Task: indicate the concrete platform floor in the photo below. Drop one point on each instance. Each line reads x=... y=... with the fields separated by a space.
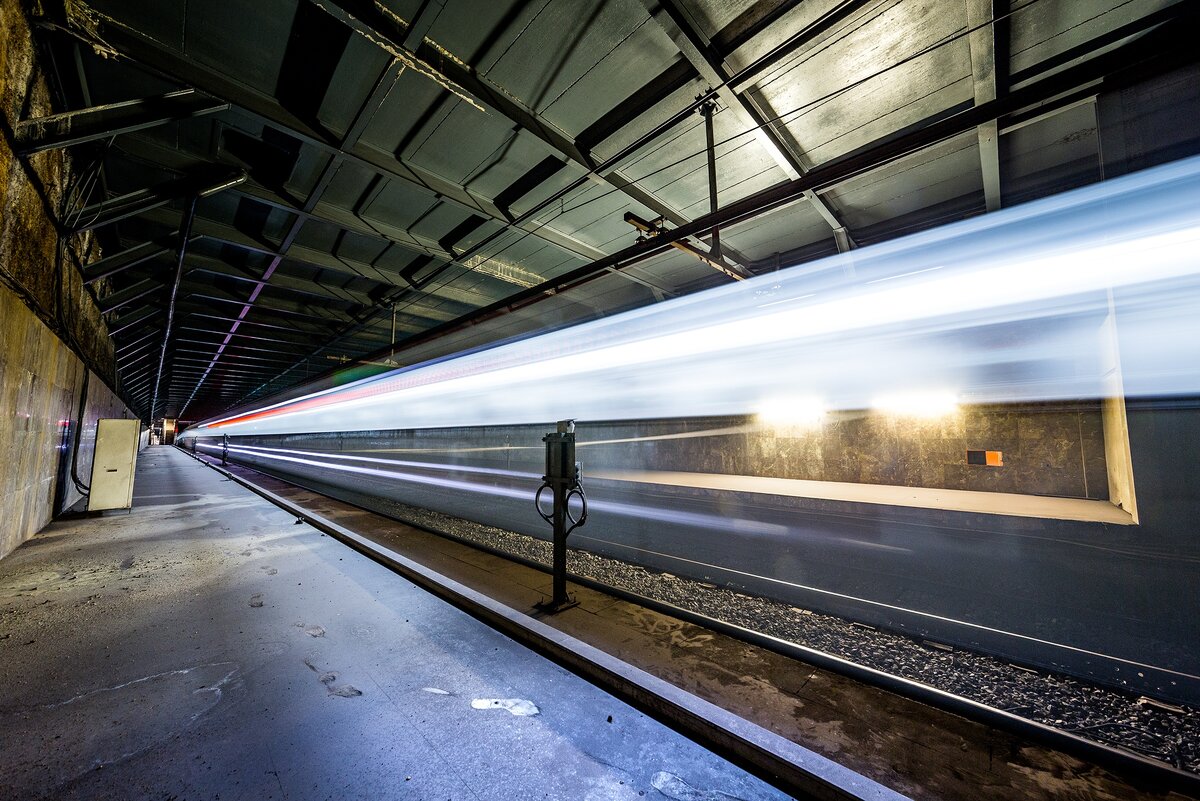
x=206 y=647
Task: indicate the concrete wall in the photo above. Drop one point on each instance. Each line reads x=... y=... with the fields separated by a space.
x=51 y=331
x=40 y=383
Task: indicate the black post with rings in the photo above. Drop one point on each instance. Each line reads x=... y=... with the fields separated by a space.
x=564 y=478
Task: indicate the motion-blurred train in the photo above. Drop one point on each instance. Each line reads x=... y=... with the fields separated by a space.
x=984 y=434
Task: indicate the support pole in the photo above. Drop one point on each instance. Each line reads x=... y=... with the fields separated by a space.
x=563 y=478
x=185 y=233
x=559 y=590
x=707 y=109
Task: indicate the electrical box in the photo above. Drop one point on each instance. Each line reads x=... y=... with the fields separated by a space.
x=986 y=458
x=112 y=464
x=560 y=454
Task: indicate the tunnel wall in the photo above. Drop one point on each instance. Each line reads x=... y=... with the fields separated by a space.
x=51 y=331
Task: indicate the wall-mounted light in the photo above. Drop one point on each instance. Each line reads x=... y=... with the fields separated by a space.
x=792 y=412
x=918 y=403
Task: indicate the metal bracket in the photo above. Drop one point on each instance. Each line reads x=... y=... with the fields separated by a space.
x=653 y=228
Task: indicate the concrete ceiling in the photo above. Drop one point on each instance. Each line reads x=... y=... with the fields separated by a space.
x=394 y=181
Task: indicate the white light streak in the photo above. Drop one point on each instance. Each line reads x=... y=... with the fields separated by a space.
x=1006 y=307
x=905 y=275
x=792 y=412
x=921 y=403
x=788 y=300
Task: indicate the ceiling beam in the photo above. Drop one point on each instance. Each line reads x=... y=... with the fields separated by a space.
x=982 y=41
x=646 y=100
x=130 y=257
x=276 y=351
x=109 y=35
x=182 y=352
x=157 y=154
x=223 y=233
x=124 y=297
x=103 y=122
x=752 y=114
x=245 y=371
x=204 y=312
x=388 y=32
x=290 y=285
x=188 y=374
x=133 y=344
x=201 y=182
x=305 y=312
x=133 y=357
x=131 y=320
x=185 y=358
x=302 y=341
x=1138 y=54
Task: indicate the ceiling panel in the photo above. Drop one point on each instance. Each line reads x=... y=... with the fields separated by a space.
x=503 y=147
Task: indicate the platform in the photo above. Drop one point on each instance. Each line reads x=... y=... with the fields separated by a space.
x=206 y=646
x=901 y=743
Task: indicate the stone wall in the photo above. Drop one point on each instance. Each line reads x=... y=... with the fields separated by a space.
x=1048 y=449
x=51 y=332
x=31 y=197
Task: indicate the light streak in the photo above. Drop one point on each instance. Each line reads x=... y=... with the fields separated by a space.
x=521 y=493
x=904 y=275
x=374 y=472
x=788 y=300
x=1007 y=307
x=493 y=471
x=920 y=403
x=707 y=566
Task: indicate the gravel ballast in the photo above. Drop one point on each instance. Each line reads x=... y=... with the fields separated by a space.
x=1140 y=725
